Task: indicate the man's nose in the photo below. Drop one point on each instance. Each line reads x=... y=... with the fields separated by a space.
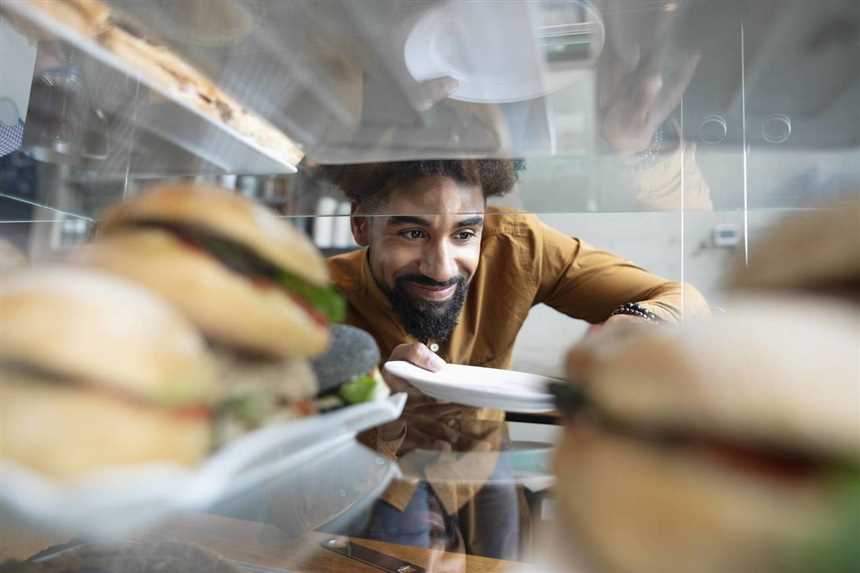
x=438 y=262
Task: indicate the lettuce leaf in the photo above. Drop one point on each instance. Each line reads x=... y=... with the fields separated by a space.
x=243 y=260
x=837 y=549
x=325 y=300
x=358 y=390
x=249 y=409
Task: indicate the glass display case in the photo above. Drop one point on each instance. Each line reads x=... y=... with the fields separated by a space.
x=669 y=132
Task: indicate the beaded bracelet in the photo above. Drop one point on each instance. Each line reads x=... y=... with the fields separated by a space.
x=649 y=157
x=637 y=310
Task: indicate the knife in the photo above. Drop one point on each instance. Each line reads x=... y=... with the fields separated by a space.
x=368 y=556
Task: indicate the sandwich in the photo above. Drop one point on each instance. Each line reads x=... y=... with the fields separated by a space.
x=96 y=372
x=140 y=55
x=255 y=286
x=815 y=251
x=348 y=373
x=86 y=17
x=732 y=445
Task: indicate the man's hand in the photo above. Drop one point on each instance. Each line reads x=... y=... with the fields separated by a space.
x=436 y=90
x=439 y=427
x=636 y=93
x=640 y=101
x=442 y=433
x=419 y=355
x=428 y=424
x=394 y=432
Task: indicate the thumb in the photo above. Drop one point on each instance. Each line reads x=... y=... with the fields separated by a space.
x=649 y=89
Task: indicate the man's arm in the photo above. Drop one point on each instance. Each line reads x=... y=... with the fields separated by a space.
x=589 y=284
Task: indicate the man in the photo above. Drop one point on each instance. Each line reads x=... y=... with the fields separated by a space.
x=443 y=278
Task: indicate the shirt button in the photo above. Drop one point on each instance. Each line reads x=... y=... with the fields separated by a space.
x=434 y=347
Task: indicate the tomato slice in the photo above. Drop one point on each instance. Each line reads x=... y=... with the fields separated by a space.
x=767 y=463
x=261 y=282
x=316 y=315
x=304 y=407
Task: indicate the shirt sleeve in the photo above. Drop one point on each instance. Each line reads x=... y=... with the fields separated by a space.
x=587 y=283
x=675 y=182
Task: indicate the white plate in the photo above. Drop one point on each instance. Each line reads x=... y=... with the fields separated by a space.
x=117 y=502
x=494 y=49
x=480 y=387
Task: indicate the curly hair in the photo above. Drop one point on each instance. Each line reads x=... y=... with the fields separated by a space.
x=368 y=184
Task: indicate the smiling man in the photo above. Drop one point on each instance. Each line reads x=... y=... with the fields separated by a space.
x=423 y=256
x=442 y=275
x=441 y=278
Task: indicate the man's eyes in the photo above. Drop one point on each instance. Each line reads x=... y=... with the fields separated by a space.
x=464 y=235
x=417 y=234
x=413 y=234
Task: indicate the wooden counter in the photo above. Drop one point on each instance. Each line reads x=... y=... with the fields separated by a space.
x=265 y=545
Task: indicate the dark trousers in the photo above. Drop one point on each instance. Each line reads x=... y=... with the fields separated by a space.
x=488 y=525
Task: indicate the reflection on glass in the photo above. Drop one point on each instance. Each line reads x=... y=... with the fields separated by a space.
x=658 y=135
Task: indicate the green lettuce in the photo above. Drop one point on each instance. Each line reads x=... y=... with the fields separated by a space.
x=359 y=389
x=249 y=409
x=837 y=549
x=243 y=260
x=324 y=300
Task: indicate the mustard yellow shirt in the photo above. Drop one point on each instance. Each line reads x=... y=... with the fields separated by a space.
x=523 y=263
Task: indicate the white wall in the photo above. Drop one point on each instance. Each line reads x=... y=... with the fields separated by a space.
x=667 y=244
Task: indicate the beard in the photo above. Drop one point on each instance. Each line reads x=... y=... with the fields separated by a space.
x=424 y=319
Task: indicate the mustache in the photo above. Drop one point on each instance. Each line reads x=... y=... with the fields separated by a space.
x=427 y=281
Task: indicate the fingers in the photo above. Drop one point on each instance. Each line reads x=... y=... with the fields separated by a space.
x=644 y=100
x=432 y=427
x=646 y=93
x=397 y=384
x=428 y=433
x=414 y=396
x=474 y=445
x=610 y=79
x=392 y=431
x=448 y=411
x=676 y=86
x=419 y=355
x=436 y=90
x=660 y=94
x=416 y=439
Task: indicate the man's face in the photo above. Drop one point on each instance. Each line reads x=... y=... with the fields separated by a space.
x=425 y=251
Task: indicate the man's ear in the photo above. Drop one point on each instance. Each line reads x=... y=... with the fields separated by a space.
x=360 y=227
